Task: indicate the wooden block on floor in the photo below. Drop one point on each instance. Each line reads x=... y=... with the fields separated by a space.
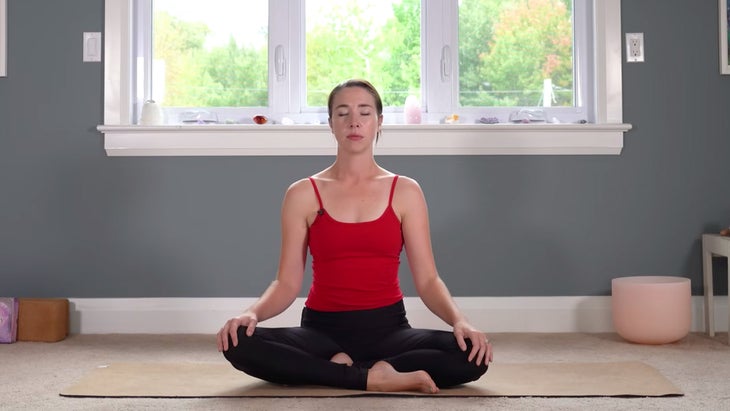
x=42 y=319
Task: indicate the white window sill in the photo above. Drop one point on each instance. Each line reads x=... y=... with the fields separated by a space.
x=305 y=140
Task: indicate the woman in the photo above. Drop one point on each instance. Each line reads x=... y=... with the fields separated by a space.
x=355 y=217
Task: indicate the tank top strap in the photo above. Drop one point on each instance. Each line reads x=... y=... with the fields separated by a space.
x=316 y=192
x=392 y=190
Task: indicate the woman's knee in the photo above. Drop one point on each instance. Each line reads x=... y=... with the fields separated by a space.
x=237 y=353
x=479 y=370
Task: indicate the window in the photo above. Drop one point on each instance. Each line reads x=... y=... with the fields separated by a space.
x=510 y=54
x=480 y=59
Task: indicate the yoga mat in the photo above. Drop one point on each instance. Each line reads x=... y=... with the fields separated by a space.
x=199 y=380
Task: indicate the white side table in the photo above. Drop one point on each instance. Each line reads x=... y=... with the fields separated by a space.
x=712 y=245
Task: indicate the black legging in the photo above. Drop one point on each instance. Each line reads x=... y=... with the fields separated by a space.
x=301 y=355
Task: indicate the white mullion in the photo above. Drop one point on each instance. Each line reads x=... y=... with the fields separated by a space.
x=609 y=94
x=439 y=34
x=285 y=34
x=278 y=37
x=117 y=61
x=142 y=54
x=297 y=35
x=583 y=63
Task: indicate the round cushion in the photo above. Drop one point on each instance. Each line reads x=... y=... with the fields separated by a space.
x=651 y=309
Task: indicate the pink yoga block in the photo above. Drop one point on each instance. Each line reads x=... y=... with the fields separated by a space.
x=651 y=309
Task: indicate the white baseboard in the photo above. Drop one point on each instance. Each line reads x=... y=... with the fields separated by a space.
x=491 y=314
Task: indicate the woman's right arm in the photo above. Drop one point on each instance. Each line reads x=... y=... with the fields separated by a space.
x=285 y=288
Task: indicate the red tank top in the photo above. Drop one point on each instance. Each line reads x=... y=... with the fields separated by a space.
x=354 y=265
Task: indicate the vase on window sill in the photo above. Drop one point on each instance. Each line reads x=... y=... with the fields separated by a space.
x=151 y=114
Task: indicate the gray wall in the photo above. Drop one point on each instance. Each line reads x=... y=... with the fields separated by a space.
x=76 y=223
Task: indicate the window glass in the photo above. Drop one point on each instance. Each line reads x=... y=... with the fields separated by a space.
x=515 y=53
x=379 y=40
x=210 y=54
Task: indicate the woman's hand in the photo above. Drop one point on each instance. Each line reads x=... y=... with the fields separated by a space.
x=230 y=328
x=481 y=348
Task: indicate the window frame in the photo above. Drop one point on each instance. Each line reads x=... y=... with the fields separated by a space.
x=122 y=138
x=3 y=38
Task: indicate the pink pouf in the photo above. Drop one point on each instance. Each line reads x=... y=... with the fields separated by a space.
x=651 y=309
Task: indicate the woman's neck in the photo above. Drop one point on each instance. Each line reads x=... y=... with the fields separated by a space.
x=355 y=169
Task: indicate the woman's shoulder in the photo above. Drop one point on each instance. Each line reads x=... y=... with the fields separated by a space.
x=299 y=183
x=407 y=184
x=408 y=195
x=299 y=199
x=299 y=188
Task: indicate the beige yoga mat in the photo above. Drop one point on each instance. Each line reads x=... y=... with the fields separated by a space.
x=196 y=380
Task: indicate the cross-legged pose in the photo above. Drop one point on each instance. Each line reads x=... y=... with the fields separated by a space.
x=355 y=217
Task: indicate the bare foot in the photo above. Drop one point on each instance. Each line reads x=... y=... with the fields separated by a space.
x=342 y=358
x=383 y=377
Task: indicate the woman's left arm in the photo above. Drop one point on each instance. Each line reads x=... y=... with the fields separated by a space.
x=410 y=203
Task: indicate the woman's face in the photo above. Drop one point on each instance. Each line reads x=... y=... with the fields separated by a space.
x=355 y=121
